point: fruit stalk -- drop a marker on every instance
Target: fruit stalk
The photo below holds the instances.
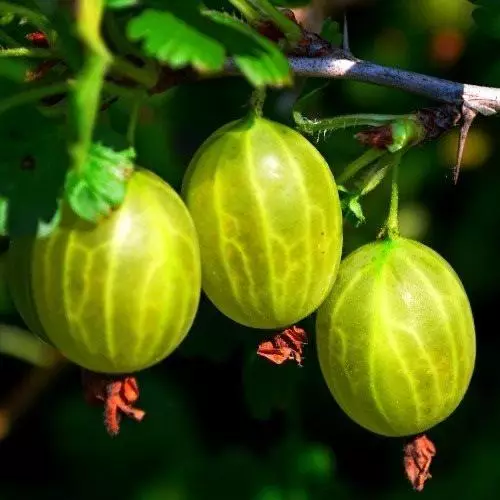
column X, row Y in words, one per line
column 392, row 220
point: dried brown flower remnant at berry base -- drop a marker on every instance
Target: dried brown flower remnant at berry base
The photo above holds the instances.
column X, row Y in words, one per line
column 284, row 346
column 118, row 395
column 418, row 455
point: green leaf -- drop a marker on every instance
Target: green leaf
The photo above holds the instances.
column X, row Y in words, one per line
column 290, row 3
column 181, row 36
column 32, row 172
column 121, row 4
column 14, row 69
column 186, row 36
column 100, row 185
column 351, row 207
column 331, row 32
column 258, row 58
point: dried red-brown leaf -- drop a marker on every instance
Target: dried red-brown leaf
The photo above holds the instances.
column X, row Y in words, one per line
column 376, row 137
column 287, row 345
column 38, row 39
column 310, row 45
column 116, row 393
column 270, row 30
column 40, row 70
column 418, row 455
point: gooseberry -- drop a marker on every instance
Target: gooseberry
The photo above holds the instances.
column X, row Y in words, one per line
column 119, row 296
column 396, row 338
column 266, row 208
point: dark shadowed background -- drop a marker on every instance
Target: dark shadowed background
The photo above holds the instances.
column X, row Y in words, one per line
column 224, row 424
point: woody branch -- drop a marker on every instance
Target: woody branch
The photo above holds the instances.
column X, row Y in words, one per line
column 342, row 65
column 484, row 100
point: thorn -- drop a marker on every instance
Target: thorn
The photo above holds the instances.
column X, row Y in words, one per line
column 345, row 38
column 468, row 116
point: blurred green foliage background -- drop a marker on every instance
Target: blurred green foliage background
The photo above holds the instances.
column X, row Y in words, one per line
column 224, row 424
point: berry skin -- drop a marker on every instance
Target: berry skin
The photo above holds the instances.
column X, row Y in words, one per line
column 116, row 297
column 267, row 212
column 396, row 338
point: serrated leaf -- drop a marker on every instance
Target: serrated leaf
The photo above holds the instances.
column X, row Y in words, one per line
column 32, row 172
column 100, row 185
column 258, row 58
column 351, row 207
column 185, row 36
column 179, row 37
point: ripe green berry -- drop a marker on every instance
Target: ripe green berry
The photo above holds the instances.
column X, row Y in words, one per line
column 267, row 212
column 119, row 296
column 396, row 339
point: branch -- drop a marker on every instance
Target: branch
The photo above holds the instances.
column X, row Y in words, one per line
column 339, row 65
column 485, row 100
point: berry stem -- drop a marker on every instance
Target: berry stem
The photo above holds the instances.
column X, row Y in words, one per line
column 340, row 122
column 250, row 13
column 359, row 163
column 33, row 95
column 257, row 101
column 134, row 115
column 392, row 221
column 25, row 52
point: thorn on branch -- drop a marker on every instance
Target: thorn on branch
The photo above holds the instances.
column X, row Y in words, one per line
column 468, row 117
column 345, row 38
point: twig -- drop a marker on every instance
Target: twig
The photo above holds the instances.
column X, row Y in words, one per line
column 339, row 65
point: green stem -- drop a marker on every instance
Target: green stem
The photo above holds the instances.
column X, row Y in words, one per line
column 134, row 116
column 24, row 345
column 119, row 91
column 291, row 30
column 35, row 18
column 248, row 10
column 143, row 76
column 5, row 38
column 257, row 101
column 359, row 163
column 33, row 95
column 341, row 122
column 86, row 89
column 24, row 52
column 392, row 224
